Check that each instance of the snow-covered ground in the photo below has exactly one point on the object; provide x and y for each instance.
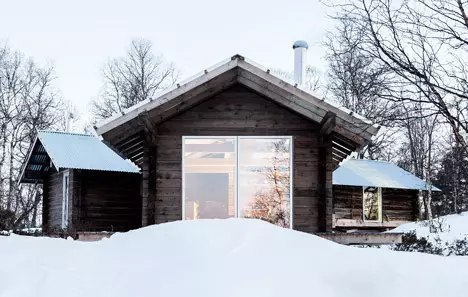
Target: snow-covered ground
(215, 258)
(447, 228)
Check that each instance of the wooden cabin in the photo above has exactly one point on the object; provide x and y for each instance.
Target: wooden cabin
(375, 195)
(86, 185)
(232, 142)
(237, 141)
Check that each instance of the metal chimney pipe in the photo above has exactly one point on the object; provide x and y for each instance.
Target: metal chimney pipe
(300, 48)
(70, 117)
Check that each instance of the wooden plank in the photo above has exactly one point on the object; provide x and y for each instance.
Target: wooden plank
(360, 238)
(328, 123)
(373, 224)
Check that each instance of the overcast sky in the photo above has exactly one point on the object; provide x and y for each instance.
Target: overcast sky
(79, 37)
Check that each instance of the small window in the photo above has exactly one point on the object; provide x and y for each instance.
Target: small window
(65, 199)
(372, 204)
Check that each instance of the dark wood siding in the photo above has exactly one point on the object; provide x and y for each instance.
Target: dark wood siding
(98, 201)
(347, 202)
(240, 112)
(110, 201)
(54, 188)
(397, 204)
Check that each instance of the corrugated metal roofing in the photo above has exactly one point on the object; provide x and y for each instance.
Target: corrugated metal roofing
(81, 151)
(381, 174)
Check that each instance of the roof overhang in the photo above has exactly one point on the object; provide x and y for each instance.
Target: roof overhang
(37, 164)
(238, 70)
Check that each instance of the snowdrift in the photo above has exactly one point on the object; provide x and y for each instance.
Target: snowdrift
(447, 228)
(216, 258)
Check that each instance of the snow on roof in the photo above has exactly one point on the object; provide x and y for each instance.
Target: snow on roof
(73, 151)
(356, 172)
(220, 258)
(82, 151)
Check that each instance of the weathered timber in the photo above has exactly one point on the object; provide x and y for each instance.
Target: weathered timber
(367, 238)
(398, 206)
(239, 112)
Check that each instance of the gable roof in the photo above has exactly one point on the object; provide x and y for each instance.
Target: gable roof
(238, 70)
(370, 173)
(72, 151)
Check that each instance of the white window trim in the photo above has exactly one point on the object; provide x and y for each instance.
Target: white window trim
(65, 193)
(236, 171)
(379, 190)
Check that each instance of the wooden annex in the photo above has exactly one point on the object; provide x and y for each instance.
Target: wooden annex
(83, 191)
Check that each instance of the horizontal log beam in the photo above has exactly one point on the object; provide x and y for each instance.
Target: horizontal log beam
(364, 224)
(363, 238)
(328, 123)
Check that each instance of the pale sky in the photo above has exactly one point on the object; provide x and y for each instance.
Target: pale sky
(79, 37)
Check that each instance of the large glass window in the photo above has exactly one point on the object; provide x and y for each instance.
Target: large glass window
(237, 177)
(208, 182)
(264, 179)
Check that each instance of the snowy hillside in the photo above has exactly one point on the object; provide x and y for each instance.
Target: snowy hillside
(447, 228)
(215, 258)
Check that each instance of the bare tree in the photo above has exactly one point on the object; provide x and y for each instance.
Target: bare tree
(418, 152)
(28, 103)
(134, 78)
(452, 178)
(424, 43)
(359, 83)
(312, 79)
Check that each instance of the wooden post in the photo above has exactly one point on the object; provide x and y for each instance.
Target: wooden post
(326, 171)
(45, 204)
(328, 183)
(148, 183)
(325, 183)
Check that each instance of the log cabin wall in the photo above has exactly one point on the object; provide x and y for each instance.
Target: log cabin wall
(347, 202)
(53, 188)
(241, 112)
(397, 204)
(110, 201)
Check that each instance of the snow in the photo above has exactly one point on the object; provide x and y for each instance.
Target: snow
(216, 258)
(452, 227)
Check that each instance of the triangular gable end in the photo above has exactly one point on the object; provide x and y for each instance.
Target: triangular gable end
(237, 70)
(37, 163)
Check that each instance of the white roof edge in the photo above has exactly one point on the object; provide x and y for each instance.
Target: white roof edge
(179, 88)
(211, 72)
(301, 92)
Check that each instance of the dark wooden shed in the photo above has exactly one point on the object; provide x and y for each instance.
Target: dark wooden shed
(86, 185)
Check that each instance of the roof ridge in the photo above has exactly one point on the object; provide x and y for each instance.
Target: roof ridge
(381, 161)
(65, 132)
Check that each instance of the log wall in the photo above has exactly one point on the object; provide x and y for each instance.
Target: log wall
(241, 112)
(98, 201)
(110, 201)
(397, 204)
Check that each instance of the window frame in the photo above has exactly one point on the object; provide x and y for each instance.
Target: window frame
(379, 191)
(65, 193)
(236, 170)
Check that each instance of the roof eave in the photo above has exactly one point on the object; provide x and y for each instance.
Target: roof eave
(347, 124)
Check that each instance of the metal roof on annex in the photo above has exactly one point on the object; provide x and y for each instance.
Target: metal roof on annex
(64, 150)
(370, 173)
